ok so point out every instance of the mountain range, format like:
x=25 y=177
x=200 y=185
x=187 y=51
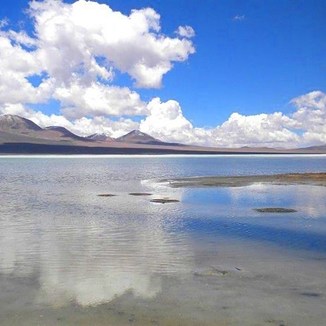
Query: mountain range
x=19 y=135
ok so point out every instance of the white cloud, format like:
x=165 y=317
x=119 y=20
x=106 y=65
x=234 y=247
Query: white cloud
x=313 y=100
x=98 y=100
x=76 y=51
x=255 y=130
x=16 y=109
x=311 y=117
x=16 y=66
x=20 y=37
x=165 y=121
x=185 y=31
x=71 y=37
x=239 y=18
x=305 y=127
x=16 y=60
x=4 y=22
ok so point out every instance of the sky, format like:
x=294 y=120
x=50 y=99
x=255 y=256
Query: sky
x=218 y=73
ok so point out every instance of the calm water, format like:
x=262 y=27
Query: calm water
x=70 y=257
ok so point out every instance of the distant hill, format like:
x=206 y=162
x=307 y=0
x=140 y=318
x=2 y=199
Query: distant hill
x=57 y=131
x=138 y=137
x=16 y=128
x=320 y=147
x=19 y=135
x=16 y=124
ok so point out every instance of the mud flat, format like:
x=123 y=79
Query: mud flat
x=315 y=179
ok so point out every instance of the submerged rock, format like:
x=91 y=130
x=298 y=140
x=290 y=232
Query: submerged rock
x=164 y=200
x=140 y=194
x=211 y=272
x=106 y=195
x=275 y=210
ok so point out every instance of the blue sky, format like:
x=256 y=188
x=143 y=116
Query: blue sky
x=250 y=66
x=251 y=57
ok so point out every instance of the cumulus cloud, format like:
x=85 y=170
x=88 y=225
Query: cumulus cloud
x=75 y=53
x=255 y=130
x=20 y=37
x=311 y=116
x=166 y=121
x=16 y=65
x=75 y=35
x=97 y=99
x=305 y=126
x=185 y=31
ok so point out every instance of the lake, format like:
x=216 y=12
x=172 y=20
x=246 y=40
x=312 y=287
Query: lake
x=69 y=256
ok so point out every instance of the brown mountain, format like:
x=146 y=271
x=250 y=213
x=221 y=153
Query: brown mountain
x=17 y=129
x=319 y=148
x=16 y=124
x=61 y=132
x=138 y=137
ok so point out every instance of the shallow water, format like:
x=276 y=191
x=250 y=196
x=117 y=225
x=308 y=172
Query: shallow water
x=69 y=256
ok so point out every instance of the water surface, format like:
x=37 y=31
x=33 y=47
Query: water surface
x=68 y=256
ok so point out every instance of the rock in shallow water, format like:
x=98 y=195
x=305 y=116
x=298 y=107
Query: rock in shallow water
x=164 y=200
x=212 y=271
x=140 y=194
x=106 y=195
x=275 y=210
